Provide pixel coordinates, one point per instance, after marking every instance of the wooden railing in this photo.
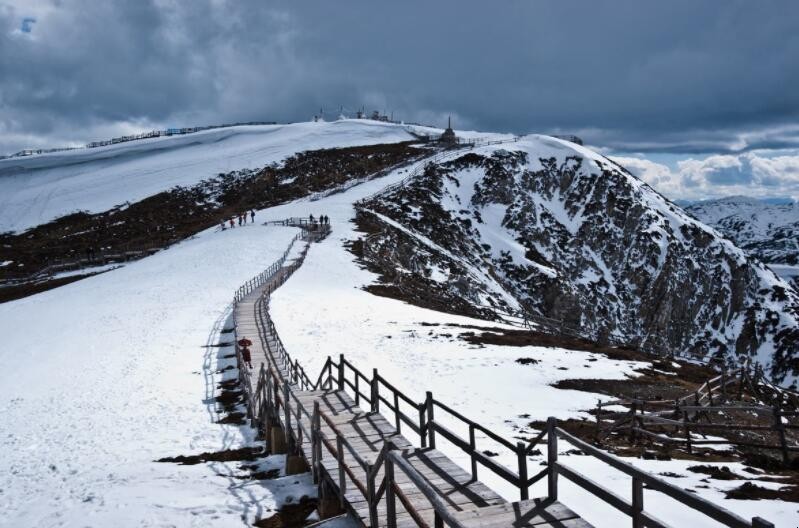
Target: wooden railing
(672, 422)
(421, 419)
(275, 400)
(635, 507)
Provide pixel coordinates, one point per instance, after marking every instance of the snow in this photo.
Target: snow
(37, 189)
(323, 311)
(105, 375)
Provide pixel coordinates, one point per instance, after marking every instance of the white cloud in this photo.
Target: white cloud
(750, 174)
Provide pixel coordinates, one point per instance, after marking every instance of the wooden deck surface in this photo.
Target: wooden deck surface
(477, 504)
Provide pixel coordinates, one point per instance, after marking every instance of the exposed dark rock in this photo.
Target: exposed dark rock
(576, 244)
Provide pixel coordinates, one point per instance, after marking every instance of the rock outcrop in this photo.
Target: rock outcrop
(573, 241)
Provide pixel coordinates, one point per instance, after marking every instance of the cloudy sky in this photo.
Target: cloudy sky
(698, 97)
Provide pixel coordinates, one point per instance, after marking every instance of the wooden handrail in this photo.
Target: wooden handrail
(395, 458)
(689, 499)
(276, 390)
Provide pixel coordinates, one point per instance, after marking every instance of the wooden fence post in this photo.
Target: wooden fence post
(287, 417)
(521, 456)
(370, 496)
(431, 433)
(422, 425)
(552, 459)
(316, 443)
(375, 392)
(638, 503)
(473, 448)
(341, 372)
(391, 504)
(342, 481)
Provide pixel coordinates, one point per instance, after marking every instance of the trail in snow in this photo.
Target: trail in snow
(106, 375)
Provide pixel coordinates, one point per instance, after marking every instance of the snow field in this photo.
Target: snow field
(323, 311)
(106, 375)
(37, 189)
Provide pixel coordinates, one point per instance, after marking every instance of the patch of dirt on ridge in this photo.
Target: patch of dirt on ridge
(171, 216)
(18, 291)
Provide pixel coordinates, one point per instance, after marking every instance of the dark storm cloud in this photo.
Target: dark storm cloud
(680, 76)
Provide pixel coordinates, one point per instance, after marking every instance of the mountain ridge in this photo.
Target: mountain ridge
(574, 237)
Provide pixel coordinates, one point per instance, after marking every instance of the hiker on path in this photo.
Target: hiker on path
(252, 216)
(310, 218)
(245, 357)
(232, 223)
(239, 219)
(223, 225)
(244, 345)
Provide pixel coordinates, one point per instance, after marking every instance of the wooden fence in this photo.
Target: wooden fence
(672, 422)
(275, 400)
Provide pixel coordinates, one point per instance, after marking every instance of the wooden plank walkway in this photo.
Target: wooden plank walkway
(366, 466)
(367, 432)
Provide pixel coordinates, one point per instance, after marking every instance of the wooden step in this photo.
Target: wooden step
(541, 513)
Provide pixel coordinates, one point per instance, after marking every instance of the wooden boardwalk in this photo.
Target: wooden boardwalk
(365, 465)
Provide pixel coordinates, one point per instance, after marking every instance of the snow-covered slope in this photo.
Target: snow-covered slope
(572, 236)
(323, 310)
(116, 379)
(104, 376)
(37, 189)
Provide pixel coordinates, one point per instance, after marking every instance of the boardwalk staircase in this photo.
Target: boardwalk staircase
(374, 451)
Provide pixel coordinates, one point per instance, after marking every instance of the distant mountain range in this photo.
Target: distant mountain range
(766, 229)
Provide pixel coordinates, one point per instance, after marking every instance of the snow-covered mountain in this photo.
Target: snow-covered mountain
(121, 351)
(552, 229)
(37, 189)
(765, 230)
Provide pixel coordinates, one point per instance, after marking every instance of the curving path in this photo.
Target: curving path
(322, 427)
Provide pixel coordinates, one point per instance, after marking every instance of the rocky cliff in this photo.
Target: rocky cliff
(571, 240)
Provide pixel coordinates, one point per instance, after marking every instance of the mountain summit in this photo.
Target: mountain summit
(551, 230)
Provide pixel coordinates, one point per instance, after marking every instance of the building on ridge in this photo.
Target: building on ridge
(449, 136)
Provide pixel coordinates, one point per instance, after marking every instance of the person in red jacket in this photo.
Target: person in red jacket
(244, 345)
(245, 357)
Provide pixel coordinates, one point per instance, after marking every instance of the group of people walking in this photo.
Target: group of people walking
(241, 217)
(323, 219)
